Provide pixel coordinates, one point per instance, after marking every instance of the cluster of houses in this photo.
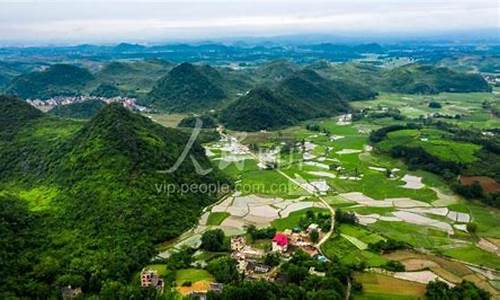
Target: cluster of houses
(47, 104)
(250, 259)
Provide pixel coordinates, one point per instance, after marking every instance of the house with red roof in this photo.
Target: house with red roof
(280, 242)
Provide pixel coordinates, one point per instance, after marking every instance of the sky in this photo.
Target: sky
(111, 21)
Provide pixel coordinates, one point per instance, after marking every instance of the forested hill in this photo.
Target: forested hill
(426, 79)
(188, 88)
(14, 113)
(101, 213)
(78, 110)
(411, 78)
(57, 80)
(259, 109)
(301, 96)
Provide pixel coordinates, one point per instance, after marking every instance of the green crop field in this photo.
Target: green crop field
(192, 275)
(468, 105)
(293, 219)
(348, 253)
(415, 235)
(360, 233)
(378, 286)
(215, 218)
(433, 142)
(475, 255)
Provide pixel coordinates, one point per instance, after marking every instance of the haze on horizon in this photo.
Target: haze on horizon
(92, 21)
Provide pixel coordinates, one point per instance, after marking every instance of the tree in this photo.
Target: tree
(264, 233)
(345, 217)
(387, 245)
(213, 240)
(272, 259)
(394, 266)
(296, 274)
(181, 259)
(314, 236)
(434, 104)
(224, 269)
(472, 227)
(438, 290)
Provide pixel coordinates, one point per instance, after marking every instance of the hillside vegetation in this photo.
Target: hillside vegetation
(301, 96)
(410, 78)
(57, 80)
(105, 212)
(188, 88)
(80, 110)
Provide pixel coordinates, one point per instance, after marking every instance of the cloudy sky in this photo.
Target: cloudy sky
(110, 21)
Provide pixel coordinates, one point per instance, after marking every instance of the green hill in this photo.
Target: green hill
(276, 70)
(301, 96)
(15, 113)
(106, 90)
(131, 78)
(188, 88)
(259, 109)
(411, 78)
(309, 86)
(103, 205)
(425, 79)
(57, 80)
(81, 110)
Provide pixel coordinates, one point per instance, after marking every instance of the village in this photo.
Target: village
(251, 261)
(48, 104)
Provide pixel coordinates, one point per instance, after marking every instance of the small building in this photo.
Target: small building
(313, 271)
(261, 268)
(199, 295)
(313, 227)
(280, 243)
(216, 287)
(69, 292)
(151, 278)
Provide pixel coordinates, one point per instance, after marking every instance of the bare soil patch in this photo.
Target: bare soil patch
(488, 184)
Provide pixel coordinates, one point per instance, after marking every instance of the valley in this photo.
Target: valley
(330, 164)
(297, 178)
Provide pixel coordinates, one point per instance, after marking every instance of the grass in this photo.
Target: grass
(360, 233)
(432, 141)
(349, 254)
(355, 241)
(264, 244)
(216, 218)
(415, 235)
(192, 275)
(375, 185)
(167, 120)
(207, 256)
(293, 218)
(475, 255)
(378, 286)
(486, 218)
(469, 105)
(38, 198)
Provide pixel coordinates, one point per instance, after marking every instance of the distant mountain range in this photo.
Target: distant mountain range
(289, 92)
